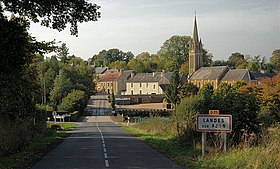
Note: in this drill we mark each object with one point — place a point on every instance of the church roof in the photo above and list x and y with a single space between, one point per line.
209 73
238 74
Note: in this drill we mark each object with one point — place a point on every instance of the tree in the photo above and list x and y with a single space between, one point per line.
187 90
62 85
275 60
74 101
113 101
206 93
55 13
63 53
105 58
236 59
118 65
175 51
136 65
172 93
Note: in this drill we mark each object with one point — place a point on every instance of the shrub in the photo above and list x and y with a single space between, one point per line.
15 135
75 100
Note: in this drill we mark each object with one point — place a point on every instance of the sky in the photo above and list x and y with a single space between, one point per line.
250 27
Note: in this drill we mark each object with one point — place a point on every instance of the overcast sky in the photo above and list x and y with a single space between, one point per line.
225 26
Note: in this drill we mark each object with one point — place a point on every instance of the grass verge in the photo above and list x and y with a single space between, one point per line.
33 152
168 146
265 156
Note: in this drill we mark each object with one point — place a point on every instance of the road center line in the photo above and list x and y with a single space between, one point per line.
106 163
104 147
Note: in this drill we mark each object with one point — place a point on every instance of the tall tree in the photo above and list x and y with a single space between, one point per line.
175 51
62 86
63 53
172 93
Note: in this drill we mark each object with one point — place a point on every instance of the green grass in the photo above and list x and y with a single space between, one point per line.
33 152
265 156
66 126
169 146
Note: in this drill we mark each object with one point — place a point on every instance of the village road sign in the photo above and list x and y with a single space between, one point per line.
214 123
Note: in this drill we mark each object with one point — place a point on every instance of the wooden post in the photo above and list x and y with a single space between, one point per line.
225 141
203 143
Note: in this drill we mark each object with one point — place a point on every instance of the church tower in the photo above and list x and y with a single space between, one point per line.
195 51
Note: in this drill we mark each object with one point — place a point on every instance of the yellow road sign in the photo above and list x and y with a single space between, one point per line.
214 112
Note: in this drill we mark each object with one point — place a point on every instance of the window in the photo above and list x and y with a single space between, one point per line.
131 84
131 92
140 84
154 86
140 91
147 84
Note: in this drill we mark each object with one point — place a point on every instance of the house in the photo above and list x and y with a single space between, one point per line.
147 83
113 80
99 72
199 75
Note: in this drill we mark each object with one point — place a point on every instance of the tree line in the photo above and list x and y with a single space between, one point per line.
174 53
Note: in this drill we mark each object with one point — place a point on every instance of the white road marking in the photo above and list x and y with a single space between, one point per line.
107 163
104 146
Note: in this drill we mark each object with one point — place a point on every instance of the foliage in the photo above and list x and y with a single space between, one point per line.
268 94
55 13
275 60
172 93
105 58
63 53
236 59
75 100
62 85
113 101
206 93
32 152
187 90
174 51
186 112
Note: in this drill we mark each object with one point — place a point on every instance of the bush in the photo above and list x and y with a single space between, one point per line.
186 113
15 135
74 101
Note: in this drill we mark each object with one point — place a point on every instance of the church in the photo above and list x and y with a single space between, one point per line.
199 75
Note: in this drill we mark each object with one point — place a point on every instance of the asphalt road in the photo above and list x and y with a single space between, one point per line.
99 143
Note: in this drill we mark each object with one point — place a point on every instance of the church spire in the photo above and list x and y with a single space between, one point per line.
195 32
195 51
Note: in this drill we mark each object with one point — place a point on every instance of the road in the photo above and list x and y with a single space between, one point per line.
99 143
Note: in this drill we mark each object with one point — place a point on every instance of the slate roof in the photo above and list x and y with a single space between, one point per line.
126 73
100 70
238 74
160 77
258 75
209 73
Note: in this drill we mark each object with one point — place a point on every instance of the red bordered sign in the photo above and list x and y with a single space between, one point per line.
214 123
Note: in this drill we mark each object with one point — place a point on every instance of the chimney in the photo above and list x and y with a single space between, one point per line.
153 74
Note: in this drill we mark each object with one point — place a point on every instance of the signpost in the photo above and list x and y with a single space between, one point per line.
213 122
